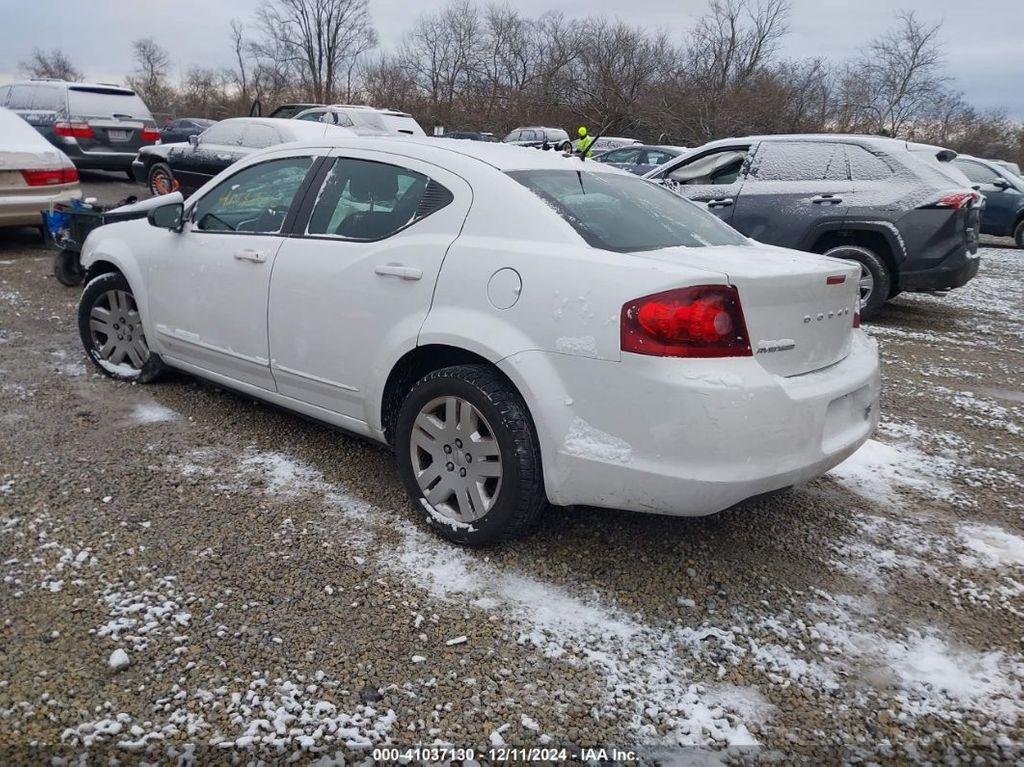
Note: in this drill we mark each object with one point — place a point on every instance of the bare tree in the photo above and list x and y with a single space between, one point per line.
319 40
149 78
898 77
54 63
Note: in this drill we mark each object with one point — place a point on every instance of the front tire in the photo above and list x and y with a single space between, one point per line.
1018 234
469 457
110 327
875 279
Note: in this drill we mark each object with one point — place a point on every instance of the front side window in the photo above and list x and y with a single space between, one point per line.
717 168
800 161
623 213
365 200
256 199
224 134
977 172
314 117
622 155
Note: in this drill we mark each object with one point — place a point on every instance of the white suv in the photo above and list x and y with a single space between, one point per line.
520 326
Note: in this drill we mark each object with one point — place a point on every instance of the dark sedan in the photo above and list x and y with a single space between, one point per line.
187 166
639 158
179 130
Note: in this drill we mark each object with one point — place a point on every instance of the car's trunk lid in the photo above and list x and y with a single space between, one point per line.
798 307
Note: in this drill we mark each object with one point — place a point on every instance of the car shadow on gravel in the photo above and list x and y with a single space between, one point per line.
16 240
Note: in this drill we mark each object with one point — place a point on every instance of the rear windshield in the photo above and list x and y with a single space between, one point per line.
624 213
100 102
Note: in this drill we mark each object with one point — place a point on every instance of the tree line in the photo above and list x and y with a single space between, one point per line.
490 67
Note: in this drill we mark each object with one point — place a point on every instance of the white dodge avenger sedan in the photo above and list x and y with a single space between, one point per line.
520 326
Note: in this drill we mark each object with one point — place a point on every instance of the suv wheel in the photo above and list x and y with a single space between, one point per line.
875 279
468 455
1018 234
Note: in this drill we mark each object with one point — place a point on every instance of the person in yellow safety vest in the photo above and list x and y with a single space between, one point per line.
583 145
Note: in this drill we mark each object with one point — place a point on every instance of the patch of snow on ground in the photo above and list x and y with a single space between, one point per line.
585 441
878 470
153 412
990 547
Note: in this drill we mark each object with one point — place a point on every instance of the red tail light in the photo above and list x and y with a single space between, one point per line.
702 321
73 129
50 177
150 134
958 200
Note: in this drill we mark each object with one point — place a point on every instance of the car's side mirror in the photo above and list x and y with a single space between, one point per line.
167 216
194 139
1001 183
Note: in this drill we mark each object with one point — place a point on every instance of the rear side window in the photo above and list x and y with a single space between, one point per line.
976 172
799 161
365 200
105 102
623 213
227 134
865 166
5 92
256 199
48 98
260 137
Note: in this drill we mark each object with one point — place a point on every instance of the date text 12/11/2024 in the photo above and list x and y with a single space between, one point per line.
502 754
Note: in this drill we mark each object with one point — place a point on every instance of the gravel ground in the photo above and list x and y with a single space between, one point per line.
188 572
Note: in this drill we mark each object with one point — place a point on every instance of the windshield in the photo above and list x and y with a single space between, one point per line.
624 213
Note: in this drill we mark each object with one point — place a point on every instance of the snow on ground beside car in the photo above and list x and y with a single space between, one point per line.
655 660
878 470
153 412
991 547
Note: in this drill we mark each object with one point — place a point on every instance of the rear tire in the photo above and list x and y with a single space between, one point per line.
450 415
160 179
1018 234
875 280
67 268
110 327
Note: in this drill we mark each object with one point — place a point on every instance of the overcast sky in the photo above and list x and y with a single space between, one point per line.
983 44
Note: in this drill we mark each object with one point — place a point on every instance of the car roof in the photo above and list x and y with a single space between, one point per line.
502 157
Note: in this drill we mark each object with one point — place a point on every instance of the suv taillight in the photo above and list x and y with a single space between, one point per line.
149 134
958 199
73 129
700 321
50 177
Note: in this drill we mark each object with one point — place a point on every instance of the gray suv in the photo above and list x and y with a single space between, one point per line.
100 127
902 210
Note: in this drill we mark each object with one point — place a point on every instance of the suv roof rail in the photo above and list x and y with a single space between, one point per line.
47 79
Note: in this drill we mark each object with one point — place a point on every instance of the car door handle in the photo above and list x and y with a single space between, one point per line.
826 199
398 270
720 202
256 256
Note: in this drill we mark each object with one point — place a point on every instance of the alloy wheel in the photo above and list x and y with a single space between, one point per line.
867 284
456 459
116 330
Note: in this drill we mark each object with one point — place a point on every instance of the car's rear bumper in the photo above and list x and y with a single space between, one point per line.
691 437
23 209
941 246
98 159
957 270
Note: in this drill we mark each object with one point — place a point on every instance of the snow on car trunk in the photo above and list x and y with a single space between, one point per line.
798 307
